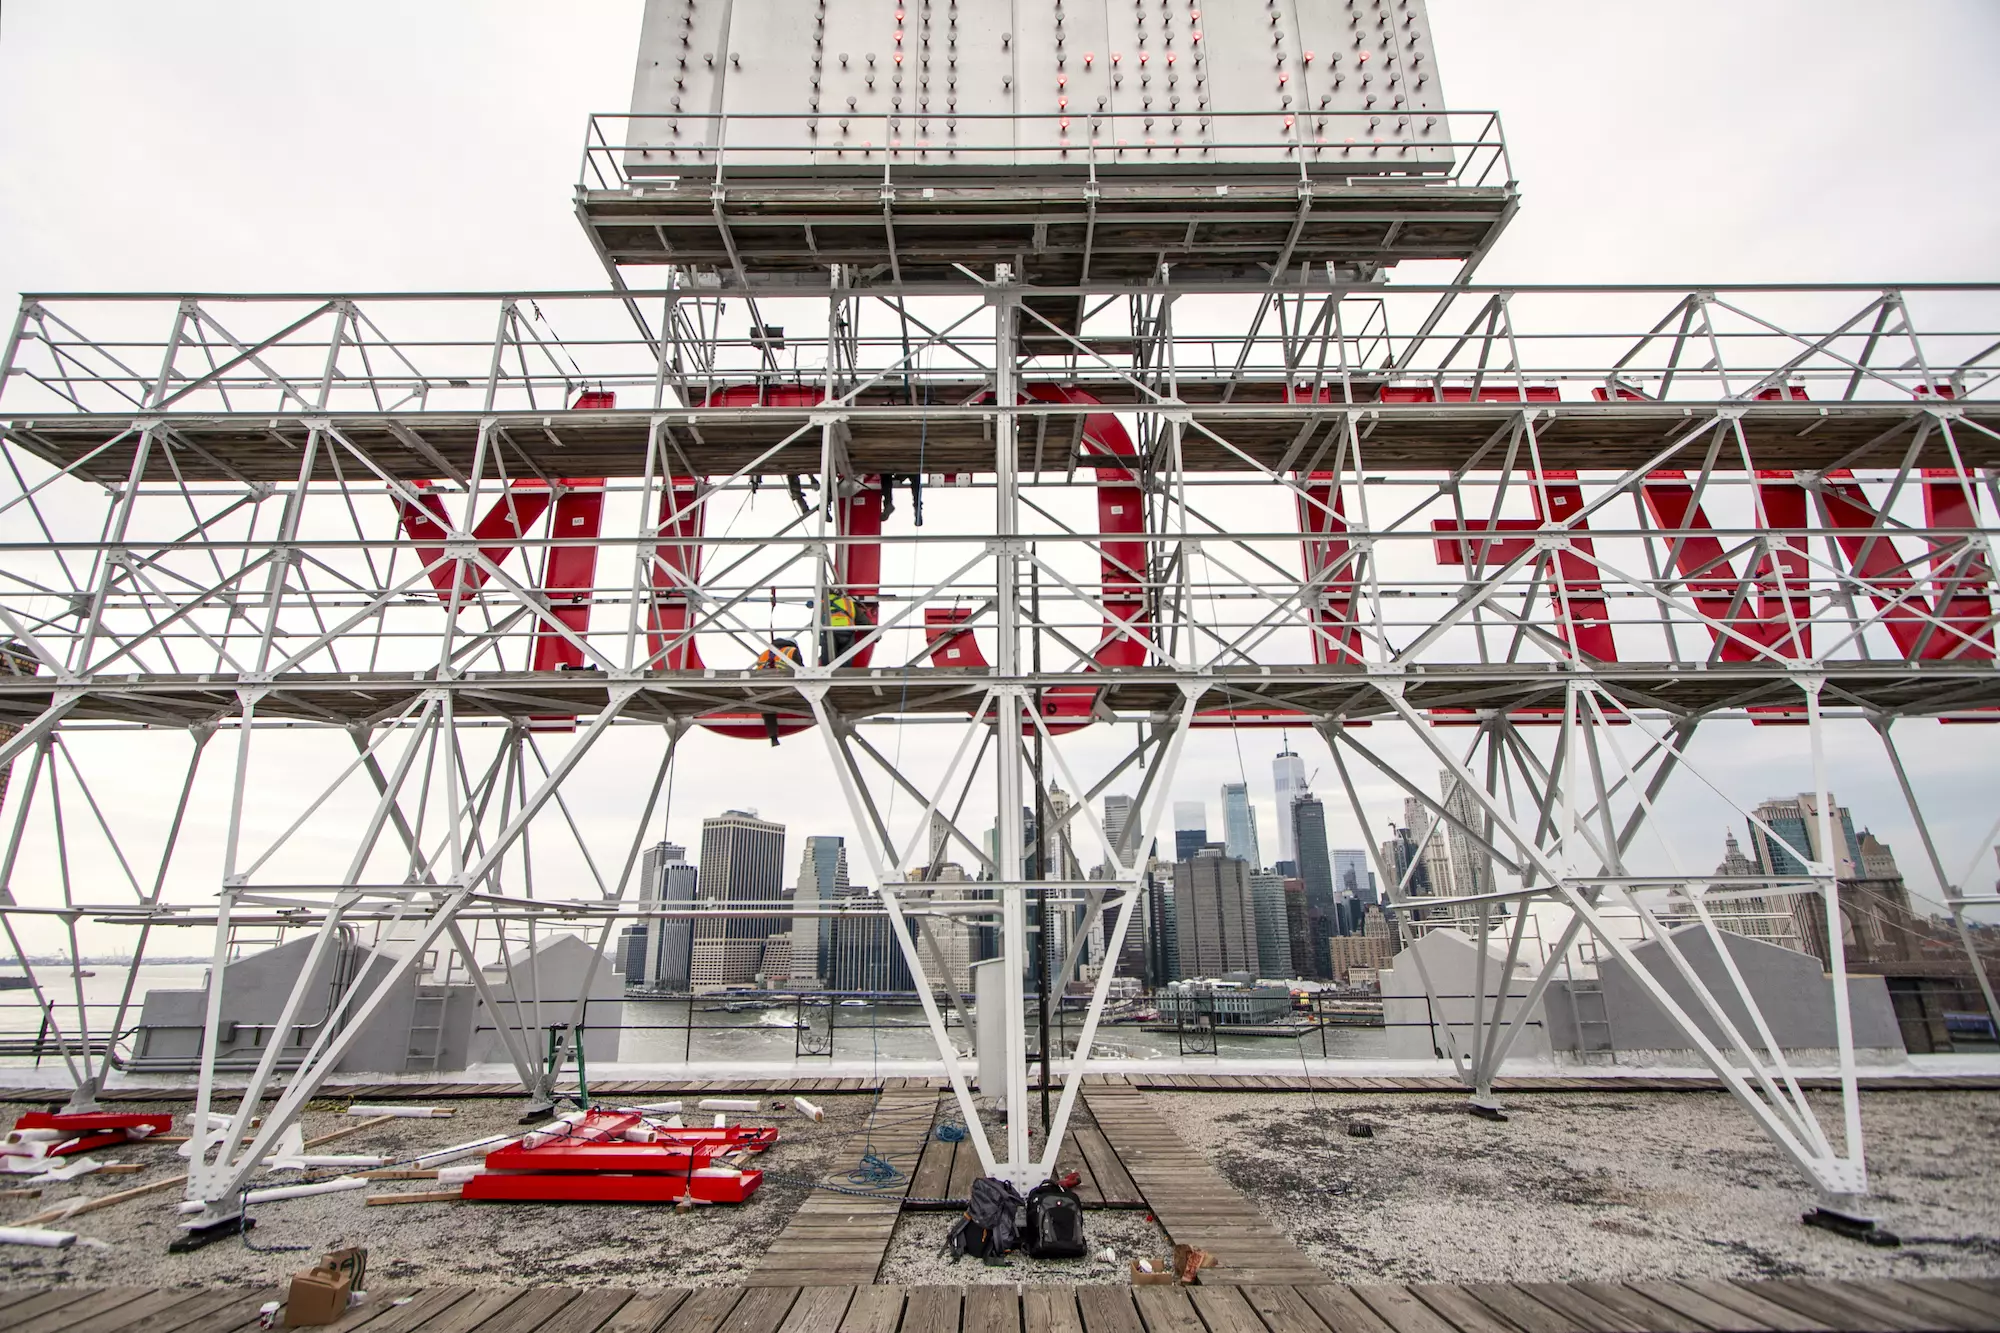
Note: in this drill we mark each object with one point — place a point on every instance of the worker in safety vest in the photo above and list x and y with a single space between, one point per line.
782 655
843 615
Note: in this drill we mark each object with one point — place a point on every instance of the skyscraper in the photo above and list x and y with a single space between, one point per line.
938 844
1297 937
1460 865
822 878
1409 876
1353 886
654 950
1162 936
742 862
1274 945
1309 827
1796 823
1117 813
1767 917
1239 824
1063 862
1218 919
953 937
1288 777
665 880
1025 865
1190 828
1875 907
866 955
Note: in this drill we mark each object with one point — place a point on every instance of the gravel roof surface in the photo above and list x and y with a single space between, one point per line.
1597 1186
1574 1186
469 1244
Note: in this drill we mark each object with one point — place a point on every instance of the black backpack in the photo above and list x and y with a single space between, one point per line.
988 1230
1055 1223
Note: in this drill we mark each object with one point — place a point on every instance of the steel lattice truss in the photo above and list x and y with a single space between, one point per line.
1550 533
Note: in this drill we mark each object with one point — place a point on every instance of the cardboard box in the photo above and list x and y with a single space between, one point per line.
352 1261
1163 1277
317 1296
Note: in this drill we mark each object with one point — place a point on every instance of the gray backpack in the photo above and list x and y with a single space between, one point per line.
988 1229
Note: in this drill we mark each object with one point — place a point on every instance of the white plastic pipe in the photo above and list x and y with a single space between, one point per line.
727 1104
721 1120
305 1191
311 1161
458 1150
458 1175
54 1240
410 1112
641 1134
663 1108
555 1129
35 1135
808 1110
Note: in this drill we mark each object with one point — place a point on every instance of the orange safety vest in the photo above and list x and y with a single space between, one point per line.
778 657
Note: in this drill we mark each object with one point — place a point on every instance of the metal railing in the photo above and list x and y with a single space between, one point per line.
1464 149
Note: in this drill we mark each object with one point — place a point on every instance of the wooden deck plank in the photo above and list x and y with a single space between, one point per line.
187 1312
101 1301
1052 1310
13 1316
762 1310
965 1168
240 1313
1166 1310
704 1310
1113 1182
933 1308
468 1314
932 1177
1191 1200
1520 1309
1650 1314
1745 1299
837 1239
1929 1311
1591 1314
648 1309
161 1304
589 1311
992 1309
1401 1310
1692 1305
1070 1159
530 1310
1459 1308
818 1309
1842 1310
1108 1310
1934 1303
1982 1303
1225 1310
874 1310
1282 1309
1343 1311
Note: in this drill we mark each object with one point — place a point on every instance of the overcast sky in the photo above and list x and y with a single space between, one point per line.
390 146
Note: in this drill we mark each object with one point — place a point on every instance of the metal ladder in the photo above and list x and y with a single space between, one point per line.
427 1015
1593 1022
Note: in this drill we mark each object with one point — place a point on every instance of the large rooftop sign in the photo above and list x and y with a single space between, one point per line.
808 87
